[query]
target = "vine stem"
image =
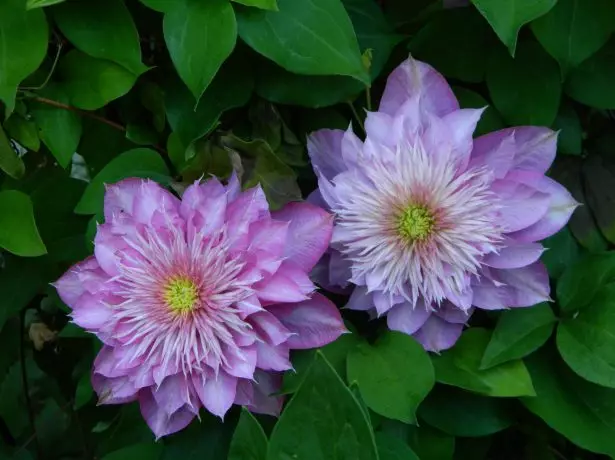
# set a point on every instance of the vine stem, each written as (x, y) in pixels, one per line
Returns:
(24, 381)
(60, 105)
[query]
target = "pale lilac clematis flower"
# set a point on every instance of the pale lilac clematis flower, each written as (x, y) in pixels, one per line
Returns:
(198, 301)
(430, 223)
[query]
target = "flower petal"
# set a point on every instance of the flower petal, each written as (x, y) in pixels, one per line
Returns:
(414, 77)
(119, 197)
(217, 393)
(406, 318)
(172, 394)
(158, 420)
(309, 233)
(264, 386)
(437, 334)
(288, 284)
(325, 150)
(316, 322)
(271, 358)
(515, 255)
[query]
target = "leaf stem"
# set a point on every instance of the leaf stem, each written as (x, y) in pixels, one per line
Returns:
(368, 98)
(84, 113)
(356, 115)
(51, 72)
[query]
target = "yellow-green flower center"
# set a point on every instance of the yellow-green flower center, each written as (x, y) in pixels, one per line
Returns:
(415, 223)
(181, 295)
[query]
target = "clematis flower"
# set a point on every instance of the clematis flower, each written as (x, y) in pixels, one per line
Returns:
(198, 301)
(430, 223)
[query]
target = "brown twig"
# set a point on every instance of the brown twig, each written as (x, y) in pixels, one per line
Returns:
(84, 113)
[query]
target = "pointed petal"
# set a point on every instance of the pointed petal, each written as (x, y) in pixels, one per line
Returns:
(406, 318)
(316, 322)
(309, 233)
(119, 197)
(437, 334)
(325, 150)
(288, 284)
(269, 328)
(414, 77)
(158, 420)
(515, 255)
(525, 286)
(217, 393)
(270, 358)
(264, 386)
(172, 394)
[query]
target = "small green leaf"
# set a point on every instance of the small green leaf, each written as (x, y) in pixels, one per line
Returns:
(460, 413)
(32, 4)
(581, 282)
(460, 367)
(518, 333)
(600, 194)
(573, 30)
(393, 448)
(10, 162)
(60, 129)
(507, 17)
(394, 375)
(144, 163)
(23, 45)
(490, 120)
(161, 6)
(472, 38)
(92, 83)
(249, 441)
(570, 139)
(84, 391)
(149, 451)
(581, 411)
(526, 90)
(323, 420)
(18, 232)
(23, 131)
(306, 37)
(591, 82)
(231, 88)
(562, 251)
(262, 4)
(200, 36)
(587, 340)
(20, 282)
(104, 30)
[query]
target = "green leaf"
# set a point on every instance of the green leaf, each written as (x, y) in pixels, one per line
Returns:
(507, 17)
(12, 407)
(104, 30)
(587, 340)
(460, 367)
(518, 333)
(20, 282)
(84, 391)
(322, 421)
(307, 37)
(200, 36)
(23, 131)
(208, 439)
(92, 83)
(600, 194)
(10, 163)
(526, 90)
(231, 88)
(393, 448)
(249, 441)
(335, 352)
(563, 251)
(152, 98)
(144, 163)
(581, 282)
(573, 30)
(262, 4)
(431, 444)
(161, 6)
(472, 38)
(373, 32)
(490, 120)
(32, 4)
(397, 363)
(23, 45)
(60, 129)
(149, 451)
(570, 139)
(591, 82)
(581, 411)
(460, 413)
(18, 232)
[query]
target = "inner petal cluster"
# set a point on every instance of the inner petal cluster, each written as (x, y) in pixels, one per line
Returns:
(181, 294)
(416, 222)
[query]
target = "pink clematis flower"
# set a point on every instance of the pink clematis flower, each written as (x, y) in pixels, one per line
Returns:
(198, 301)
(431, 223)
